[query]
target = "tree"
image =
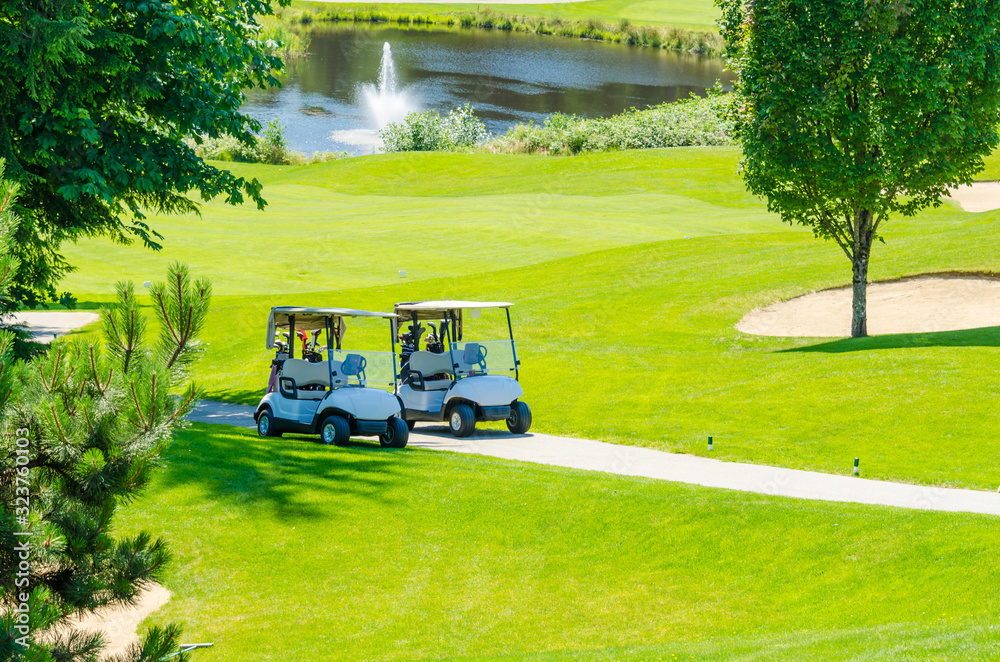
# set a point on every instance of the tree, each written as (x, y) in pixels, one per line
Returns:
(18, 338)
(8, 268)
(850, 111)
(96, 97)
(83, 430)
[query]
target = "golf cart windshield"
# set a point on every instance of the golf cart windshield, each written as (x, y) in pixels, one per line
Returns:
(347, 367)
(473, 357)
(372, 369)
(489, 357)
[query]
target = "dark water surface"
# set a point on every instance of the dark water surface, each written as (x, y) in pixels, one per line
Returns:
(508, 78)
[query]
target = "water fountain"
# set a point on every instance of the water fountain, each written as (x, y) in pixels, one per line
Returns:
(385, 102)
(382, 103)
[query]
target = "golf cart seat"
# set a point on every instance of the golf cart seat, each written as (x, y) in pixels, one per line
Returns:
(427, 364)
(312, 374)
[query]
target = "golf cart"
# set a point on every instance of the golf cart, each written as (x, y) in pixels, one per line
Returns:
(454, 380)
(345, 394)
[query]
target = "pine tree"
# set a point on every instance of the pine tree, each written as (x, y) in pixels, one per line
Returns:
(18, 340)
(9, 264)
(93, 425)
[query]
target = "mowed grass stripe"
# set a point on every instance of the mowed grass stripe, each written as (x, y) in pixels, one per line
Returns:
(316, 240)
(357, 222)
(287, 549)
(705, 173)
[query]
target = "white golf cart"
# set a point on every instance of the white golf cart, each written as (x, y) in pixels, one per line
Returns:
(343, 394)
(454, 380)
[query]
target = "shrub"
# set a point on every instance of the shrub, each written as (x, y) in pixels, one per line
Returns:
(429, 131)
(693, 121)
(270, 147)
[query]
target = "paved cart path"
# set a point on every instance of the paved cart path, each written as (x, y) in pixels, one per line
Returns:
(46, 326)
(646, 462)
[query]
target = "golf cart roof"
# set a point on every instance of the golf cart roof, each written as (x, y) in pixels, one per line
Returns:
(310, 319)
(429, 310)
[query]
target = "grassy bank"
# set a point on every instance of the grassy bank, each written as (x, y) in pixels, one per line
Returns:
(623, 30)
(696, 14)
(288, 550)
(629, 270)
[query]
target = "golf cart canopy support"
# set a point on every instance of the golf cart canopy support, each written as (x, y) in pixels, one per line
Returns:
(448, 310)
(435, 310)
(310, 319)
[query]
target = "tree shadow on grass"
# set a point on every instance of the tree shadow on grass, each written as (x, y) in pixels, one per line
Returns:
(295, 476)
(240, 396)
(982, 337)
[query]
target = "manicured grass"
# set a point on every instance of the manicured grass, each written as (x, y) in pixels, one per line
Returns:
(697, 14)
(358, 222)
(285, 549)
(991, 172)
(634, 343)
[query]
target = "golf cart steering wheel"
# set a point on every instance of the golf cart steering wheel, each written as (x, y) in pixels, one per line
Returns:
(475, 353)
(354, 364)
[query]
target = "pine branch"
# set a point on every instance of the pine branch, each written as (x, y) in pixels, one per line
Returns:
(58, 424)
(138, 407)
(87, 419)
(96, 375)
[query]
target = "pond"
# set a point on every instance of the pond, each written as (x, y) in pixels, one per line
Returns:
(355, 80)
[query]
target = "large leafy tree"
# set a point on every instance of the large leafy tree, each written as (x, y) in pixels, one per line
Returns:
(82, 432)
(850, 111)
(95, 99)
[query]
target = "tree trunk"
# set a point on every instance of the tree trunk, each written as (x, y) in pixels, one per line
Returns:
(859, 308)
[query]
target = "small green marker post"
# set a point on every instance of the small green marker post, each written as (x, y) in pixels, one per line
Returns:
(709, 443)
(857, 471)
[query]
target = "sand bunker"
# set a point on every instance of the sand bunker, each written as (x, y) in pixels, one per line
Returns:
(913, 305)
(981, 196)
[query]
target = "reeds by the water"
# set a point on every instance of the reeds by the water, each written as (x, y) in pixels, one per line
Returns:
(702, 42)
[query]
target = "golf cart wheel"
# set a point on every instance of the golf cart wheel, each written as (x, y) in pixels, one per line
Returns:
(462, 421)
(265, 424)
(335, 430)
(410, 425)
(520, 418)
(396, 434)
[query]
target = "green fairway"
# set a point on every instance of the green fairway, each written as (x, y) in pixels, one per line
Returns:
(633, 344)
(698, 14)
(358, 222)
(289, 550)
